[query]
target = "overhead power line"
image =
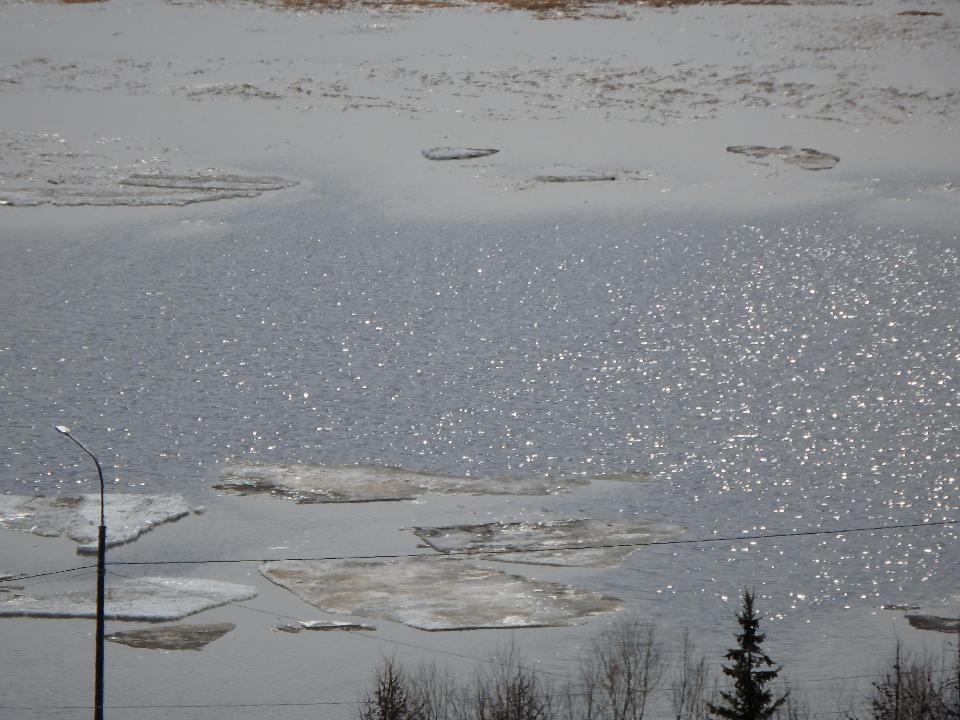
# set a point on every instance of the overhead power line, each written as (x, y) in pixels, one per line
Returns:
(509, 551)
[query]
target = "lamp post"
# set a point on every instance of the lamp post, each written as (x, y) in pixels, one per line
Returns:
(101, 574)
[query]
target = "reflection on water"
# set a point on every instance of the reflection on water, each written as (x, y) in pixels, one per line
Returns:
(770, 376)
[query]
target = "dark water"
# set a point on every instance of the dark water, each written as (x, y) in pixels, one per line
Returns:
(772, 375)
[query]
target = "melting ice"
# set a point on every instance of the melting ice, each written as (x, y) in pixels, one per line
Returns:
(436, 593)
(172, 637)
(150, 599)
(369, 483)
(560, 542)
(128, 516)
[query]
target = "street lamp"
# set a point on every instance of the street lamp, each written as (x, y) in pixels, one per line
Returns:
(101, 575)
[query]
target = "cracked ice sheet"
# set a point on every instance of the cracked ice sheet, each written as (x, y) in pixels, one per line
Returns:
(148, 599)
(128, 516)
(370, 483)
(559, 542)
(436, 593)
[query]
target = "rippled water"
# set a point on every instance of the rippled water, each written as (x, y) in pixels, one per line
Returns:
(771, 374)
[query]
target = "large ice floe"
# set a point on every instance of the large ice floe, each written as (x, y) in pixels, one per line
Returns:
(46, 169)
(436, 593)
(128, 516)
(372, 483)
(146, 599)
(172, 637)
(580, 542)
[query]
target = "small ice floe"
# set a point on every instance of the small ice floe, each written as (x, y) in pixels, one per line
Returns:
(457, 153)
(934, 622)
(147, 599)
(900, 606)
(565, 174)
(172, 637)
(332, 626)
(288, 628)
(560, 542)
(944, 618)
(575, 178)
(435, 593)
(128, 516)
(806, 158)
(373, 483)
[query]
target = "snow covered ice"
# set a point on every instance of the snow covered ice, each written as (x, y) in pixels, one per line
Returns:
(370, 483)
(560, 542)
(436, 593)
(147, 599)
(128, 516)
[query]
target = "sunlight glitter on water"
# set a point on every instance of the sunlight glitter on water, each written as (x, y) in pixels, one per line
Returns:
(777, 376)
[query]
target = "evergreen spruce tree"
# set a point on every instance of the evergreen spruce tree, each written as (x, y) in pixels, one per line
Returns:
(751, 671)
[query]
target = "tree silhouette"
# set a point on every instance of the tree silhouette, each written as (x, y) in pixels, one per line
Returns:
(751, 671)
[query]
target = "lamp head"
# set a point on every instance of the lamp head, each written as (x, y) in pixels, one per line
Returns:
(62, 429)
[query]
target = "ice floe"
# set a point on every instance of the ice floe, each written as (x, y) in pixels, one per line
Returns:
(943, 618)
(172, 637)
(332, 626)
(436, 593)
(147, 599)
(46, 169)
(935, 622)
(128, 516)
(806, 158)
(456, 153)
(575, 178)
(322, 626)
(558, 542)
(371, 483)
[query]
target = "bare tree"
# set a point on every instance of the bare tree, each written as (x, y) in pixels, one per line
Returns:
(624, 668)
(916, 687)
(393, 697)
(688, 693)
(438, 692)
(510, 691)
(795, 707)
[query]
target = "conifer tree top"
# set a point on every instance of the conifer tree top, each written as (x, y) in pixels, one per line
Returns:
(751, 670)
